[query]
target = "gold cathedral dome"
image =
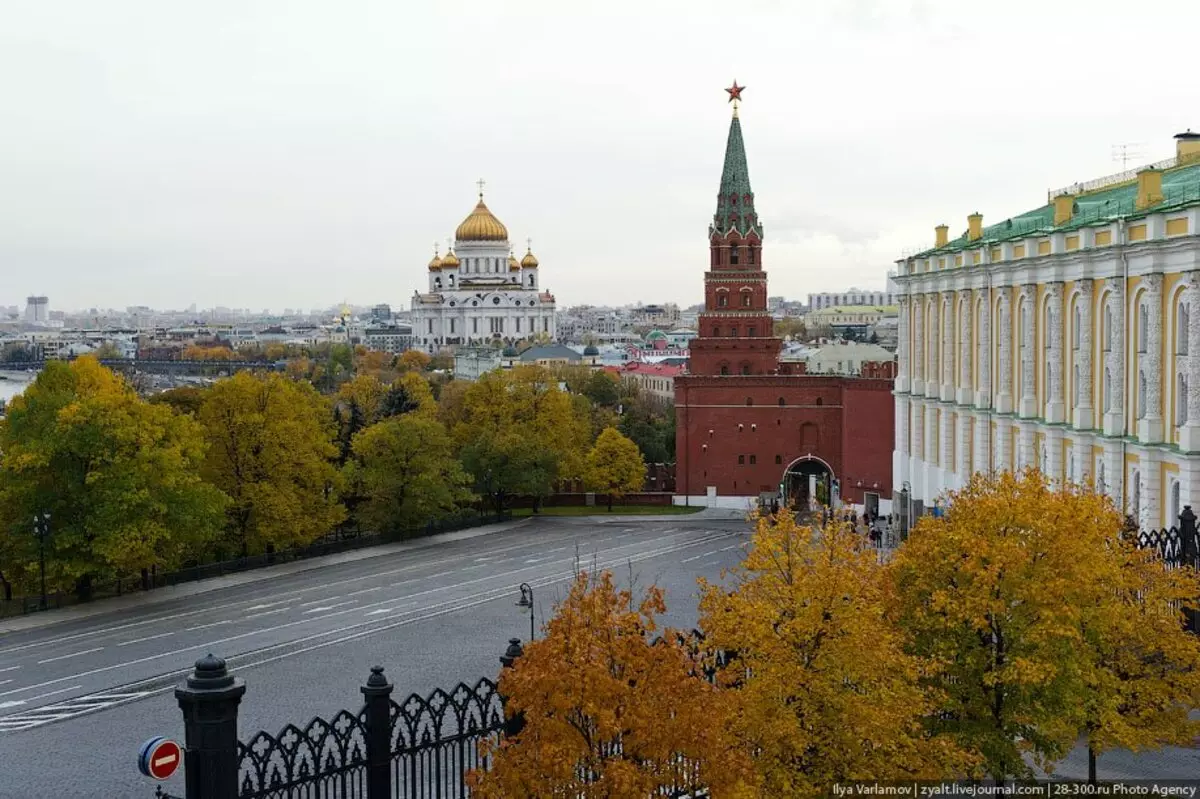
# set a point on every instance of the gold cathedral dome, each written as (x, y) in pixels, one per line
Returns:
(530, 260)
(481, 225)
(513, 264)
(436, 263)
(449, 260)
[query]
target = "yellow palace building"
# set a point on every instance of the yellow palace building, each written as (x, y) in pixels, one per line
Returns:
(1065, 338)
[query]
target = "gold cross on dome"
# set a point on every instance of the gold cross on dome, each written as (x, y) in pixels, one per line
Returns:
(529, 244)
(481, 183)
(435, 249)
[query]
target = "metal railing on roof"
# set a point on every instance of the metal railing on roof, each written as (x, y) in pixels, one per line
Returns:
(1121, 177)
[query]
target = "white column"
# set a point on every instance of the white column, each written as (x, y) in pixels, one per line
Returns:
(1028, 352)
(902, 356)
(929, 480)
(983, 452)
(948, 347)
(1025, 454)
(1152, 489)
(963, 462)
(983, 396)
(932, 379)
(1114, 473)
(965, 344)
(1189, 435)
(1150, 426)
(1003, 458)
(1114, 362)
(1055, 409)
(1054, 447)
(1004, 399)
(947, 442)
(1189, 483)
(1083, 358)
(917, 355)
(916, 457)
(900, 453)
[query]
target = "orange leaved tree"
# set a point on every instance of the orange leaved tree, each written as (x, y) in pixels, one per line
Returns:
(607, 712)
(823, 690)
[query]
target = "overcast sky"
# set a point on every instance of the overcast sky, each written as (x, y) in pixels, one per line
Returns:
(295, 153)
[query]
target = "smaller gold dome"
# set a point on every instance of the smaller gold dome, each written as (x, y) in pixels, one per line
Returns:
(481, 225)
(513, 264)
(436, 263)
(530, 260)
(449, 260)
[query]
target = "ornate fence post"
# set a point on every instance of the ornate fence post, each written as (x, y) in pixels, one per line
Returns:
(378, 694)
(1189, 555)
(209, 700)
(515, 722)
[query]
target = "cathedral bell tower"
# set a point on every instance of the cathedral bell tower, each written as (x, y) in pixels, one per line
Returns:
(736, 335)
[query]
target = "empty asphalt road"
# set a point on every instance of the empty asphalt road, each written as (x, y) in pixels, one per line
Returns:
(433, 613)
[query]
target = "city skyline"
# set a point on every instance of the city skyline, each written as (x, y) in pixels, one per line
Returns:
(314, 161)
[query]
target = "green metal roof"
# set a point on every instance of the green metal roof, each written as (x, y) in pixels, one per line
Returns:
(1181, 188)
(732, 211)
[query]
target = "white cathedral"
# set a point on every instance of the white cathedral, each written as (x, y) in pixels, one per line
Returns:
(479, 293)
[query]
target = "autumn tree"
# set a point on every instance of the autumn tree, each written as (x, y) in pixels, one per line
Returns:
(519, 433)
(413, 361)
(204, 352)
(607, 712)
(364, 391)
(185, 399)
(651, 427)
(823, 690)
(615, 466)
(119, 477)
(106, 351)
(271, 450)
(1011, 592)
(405, 473)
(602, 389)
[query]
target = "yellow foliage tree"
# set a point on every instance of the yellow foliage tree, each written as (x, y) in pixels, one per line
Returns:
(200, 352)
(823, 690)
(1045, 623)
(413, 361)
(365, 392)
(615, 466)
(271, 450)
(608, 713)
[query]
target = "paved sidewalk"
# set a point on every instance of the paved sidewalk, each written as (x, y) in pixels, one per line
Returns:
(166, 594)
(708, 514)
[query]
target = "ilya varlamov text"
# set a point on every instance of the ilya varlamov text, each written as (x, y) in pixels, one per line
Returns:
(1186, 790)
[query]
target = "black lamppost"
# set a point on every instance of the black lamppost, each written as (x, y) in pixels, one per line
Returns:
(41, 525)
(526, 601)
(905, 509)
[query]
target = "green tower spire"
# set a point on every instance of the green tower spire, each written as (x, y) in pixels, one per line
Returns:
(735, 203)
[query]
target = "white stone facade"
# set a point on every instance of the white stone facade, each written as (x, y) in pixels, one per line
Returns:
(1076, 351)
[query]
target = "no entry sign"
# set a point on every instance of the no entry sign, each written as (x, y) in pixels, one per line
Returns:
(159, 758)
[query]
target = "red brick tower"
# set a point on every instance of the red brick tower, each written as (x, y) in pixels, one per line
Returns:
(736, 331)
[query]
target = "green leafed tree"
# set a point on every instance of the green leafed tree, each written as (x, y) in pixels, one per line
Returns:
(119, 477)
(405, 474)
(271, 449)
(615, 466)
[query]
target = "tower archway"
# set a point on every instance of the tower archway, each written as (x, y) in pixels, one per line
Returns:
(807, 483)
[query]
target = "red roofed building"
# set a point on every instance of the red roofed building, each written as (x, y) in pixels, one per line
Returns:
(749, 427)
(656, 380)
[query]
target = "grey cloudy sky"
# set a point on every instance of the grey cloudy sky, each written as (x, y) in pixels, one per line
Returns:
(278, 153)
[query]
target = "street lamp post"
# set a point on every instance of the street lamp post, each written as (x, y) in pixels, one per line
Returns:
(526, 601)
(906, 509)
(41, 525)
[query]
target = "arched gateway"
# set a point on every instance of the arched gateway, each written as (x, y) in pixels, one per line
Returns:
(807, 482)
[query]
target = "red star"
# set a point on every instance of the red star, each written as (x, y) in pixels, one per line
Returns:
(735, 93)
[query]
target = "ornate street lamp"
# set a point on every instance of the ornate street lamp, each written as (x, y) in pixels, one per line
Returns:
(41, 526)
(526, 601)
(905, 509)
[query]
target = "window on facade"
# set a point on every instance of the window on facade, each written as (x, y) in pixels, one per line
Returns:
(733, 330)
(752, 332)
(497, 324)
(546, 324)
(1181, 391)
(1077, 386)
(753, 459)
(1075, 327)
(1143, 327)
(820, 401)
(722, 300)
(778, 459)
(724, 369)
(733, 255)
(749, 255)
(1108, 327)
(745, 299)
(452, 330)
(741, 459)
(475, 324)
(430, 323)
(1182, 314)
(749, 401)
(517, 321)
(781, 402)
(745, 368)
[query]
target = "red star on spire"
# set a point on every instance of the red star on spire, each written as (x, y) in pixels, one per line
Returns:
(735, 93)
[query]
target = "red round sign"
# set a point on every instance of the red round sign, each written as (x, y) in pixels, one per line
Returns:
(163, 759)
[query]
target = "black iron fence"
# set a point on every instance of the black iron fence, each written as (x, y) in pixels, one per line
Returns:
(151, 579)
(1177, 547)
(423, 747)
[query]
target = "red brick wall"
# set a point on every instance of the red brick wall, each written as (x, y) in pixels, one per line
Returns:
(846, 422)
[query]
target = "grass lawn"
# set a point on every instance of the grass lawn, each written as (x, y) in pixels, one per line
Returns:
(618, 510)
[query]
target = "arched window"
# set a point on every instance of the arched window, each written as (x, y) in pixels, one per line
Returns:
(1108, 327)
(733, 252)
(724, 369)
(1181, 390)
(1141, 395)
(749, 255)
(1182, 315)
(722, 300)
(820, 401)
(1076, 325)
(745, 368)
(746, 299)
(781, 402)
(749, 401)
(1076, 384)
(1143, 327)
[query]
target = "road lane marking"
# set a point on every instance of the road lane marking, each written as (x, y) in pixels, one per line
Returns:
(266, 613)
(265, 605)
(72, 655)
(147, 638)
(27, 700)
(331, 607)
(5, 682)
(292, 593)
(726, 549)
(206, 626)
(9, 668)
(453, 605)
